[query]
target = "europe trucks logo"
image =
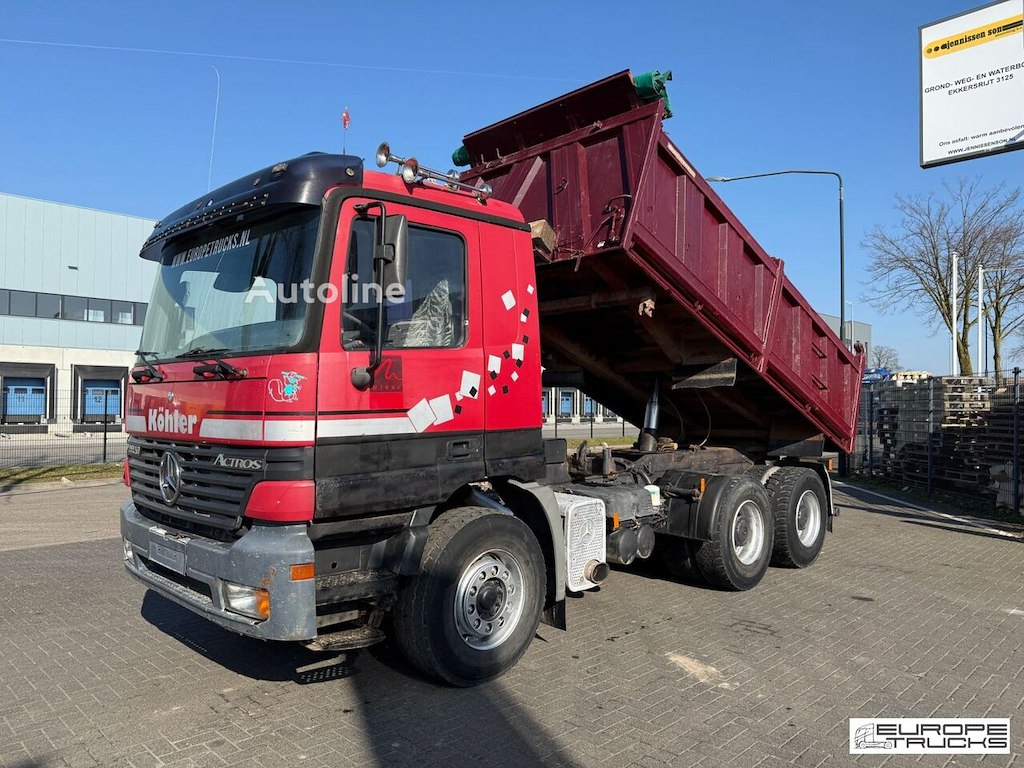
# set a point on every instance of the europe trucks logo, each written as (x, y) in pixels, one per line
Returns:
(930, 735)
(171, 420)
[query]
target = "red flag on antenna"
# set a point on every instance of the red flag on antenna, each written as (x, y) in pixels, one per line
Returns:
(346, 118)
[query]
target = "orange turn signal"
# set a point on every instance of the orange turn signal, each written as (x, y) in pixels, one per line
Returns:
(615, 521)
(703, 485)
(303, 571)
(263, 603)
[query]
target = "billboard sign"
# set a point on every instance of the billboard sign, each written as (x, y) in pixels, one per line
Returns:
(972, 84)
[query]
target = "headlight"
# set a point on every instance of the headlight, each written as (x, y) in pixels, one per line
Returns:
(248, 601)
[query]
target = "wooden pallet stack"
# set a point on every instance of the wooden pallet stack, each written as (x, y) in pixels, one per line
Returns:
(965, 423)
(999, 445)
(946, 416)
(888, 401)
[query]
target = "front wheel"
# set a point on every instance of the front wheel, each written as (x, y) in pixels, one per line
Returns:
(740, 548)
(474, 608)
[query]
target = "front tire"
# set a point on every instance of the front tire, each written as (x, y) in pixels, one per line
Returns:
(798, 501)
(474, 608)
(740, 548)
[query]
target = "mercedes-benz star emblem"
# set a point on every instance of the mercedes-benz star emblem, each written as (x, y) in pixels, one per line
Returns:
(170, 477)
(170, 396)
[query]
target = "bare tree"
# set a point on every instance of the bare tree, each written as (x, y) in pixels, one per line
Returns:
(1004, 288)
(911, 264)
(885, 357)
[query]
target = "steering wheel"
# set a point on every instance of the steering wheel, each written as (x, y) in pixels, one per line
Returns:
(360, 325)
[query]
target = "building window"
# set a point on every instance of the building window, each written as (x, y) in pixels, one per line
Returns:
(121, 312)
(99, 311)
(52, 305)
(47, 305)
(74, 308)
(23, 304)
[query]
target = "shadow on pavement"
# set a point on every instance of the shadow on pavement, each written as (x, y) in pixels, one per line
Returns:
(412, 721)
(246, 656)
(954, 528)
(408, 720)
(871, 503)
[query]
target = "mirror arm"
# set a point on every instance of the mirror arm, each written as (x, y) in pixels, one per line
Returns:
(362, 377)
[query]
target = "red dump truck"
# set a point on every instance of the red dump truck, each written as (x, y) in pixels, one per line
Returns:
(334, 417)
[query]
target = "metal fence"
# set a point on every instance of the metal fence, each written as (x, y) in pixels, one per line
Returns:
(963, 434)
(41, 428)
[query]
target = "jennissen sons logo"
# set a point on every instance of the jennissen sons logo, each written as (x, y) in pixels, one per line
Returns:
(972, 37)
(930, 735)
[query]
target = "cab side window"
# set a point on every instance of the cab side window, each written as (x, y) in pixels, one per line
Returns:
(431, 312)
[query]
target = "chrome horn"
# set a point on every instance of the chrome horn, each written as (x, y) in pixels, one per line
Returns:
(411, 172)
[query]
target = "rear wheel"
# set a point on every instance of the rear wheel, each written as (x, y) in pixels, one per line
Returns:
(740, 548)
(798, 501)
(475, 606)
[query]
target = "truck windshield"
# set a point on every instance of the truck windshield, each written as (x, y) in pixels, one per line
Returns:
(233, 289)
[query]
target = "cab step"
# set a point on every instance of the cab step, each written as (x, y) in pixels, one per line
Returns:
(346, 639)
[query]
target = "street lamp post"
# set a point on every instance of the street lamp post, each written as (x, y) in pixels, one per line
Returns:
(843, 458)
(842, 238)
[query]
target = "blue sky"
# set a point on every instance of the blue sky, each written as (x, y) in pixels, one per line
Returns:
(757, 87)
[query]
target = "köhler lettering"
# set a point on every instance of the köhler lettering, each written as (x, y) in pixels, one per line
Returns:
(167, 420)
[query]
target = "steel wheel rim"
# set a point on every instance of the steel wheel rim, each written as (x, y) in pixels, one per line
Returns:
(747, 533)
(808, 518)
(489, 599)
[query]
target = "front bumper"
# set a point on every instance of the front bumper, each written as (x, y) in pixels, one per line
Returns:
(191, 571)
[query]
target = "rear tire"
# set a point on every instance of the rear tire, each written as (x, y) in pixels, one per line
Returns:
(474, 608)
(798, 500)
(740, 548)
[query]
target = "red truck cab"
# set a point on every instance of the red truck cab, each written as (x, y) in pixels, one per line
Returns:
(247, 431)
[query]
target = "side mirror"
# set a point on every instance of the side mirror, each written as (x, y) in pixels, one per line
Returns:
(396, 243)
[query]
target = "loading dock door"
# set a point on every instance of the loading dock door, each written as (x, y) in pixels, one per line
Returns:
(565, 402)
(24, 400)
(101, 398)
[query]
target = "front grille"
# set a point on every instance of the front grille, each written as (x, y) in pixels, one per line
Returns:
(210, 496)
(192, 585)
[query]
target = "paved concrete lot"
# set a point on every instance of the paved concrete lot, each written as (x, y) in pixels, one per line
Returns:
(905, 614)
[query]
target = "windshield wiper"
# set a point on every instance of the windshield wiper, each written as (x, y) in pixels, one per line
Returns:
(218, 367)
(148, 374)
(204, 351)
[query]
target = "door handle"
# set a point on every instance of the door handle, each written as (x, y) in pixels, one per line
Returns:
(463, 449)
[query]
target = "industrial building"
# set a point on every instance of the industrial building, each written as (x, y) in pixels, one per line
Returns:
(73, 295)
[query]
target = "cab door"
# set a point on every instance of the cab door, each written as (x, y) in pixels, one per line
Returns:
(415, 435)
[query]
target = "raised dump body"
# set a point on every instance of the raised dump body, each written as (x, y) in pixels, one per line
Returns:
(645, 275)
